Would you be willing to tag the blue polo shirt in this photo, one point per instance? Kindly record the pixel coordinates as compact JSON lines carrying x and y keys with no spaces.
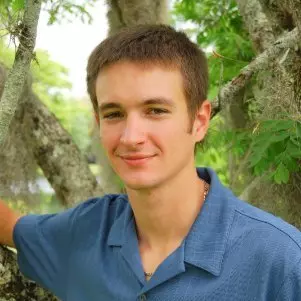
{"x":233,"y":251}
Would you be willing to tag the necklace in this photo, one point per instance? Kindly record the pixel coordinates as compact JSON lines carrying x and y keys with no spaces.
{"x":206,"y":190}
{"x":148,"y":274}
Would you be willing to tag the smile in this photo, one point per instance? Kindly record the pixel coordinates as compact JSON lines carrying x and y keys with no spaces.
{"x":136,"y":160}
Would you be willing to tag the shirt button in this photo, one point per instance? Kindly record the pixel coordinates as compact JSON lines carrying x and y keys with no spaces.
{"x":142,"y":297}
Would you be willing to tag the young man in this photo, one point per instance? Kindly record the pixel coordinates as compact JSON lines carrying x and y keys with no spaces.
{"x":177,"y":234}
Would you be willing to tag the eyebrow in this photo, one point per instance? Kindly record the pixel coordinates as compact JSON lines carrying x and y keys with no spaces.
{"x":152,"y":101}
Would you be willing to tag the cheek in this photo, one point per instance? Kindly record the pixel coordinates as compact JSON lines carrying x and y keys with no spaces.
{"x":109,"y":137}
{"x":169,"y":134}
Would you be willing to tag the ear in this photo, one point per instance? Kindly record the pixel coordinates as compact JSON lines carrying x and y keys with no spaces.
{"x":202,"y":120}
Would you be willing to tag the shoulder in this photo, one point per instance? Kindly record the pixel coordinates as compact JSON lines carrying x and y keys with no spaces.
{"x":264,"y":221}
{"x":113,"y":202}
{"x":264,"y":233}
{"x":107,"y":208}
{"x":93,"y":212}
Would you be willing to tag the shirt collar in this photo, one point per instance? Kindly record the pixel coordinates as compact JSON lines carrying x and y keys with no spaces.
{"x":122,"y":226}
{"x":206,"y":242}
{"x":205,"y":245}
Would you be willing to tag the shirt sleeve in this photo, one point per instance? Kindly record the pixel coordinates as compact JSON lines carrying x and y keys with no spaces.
{"x":291,"y":286}
{"x":43,"y":243}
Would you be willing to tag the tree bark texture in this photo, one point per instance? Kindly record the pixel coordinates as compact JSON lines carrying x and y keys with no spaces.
{"x":52,"y":147}
{"x":124,"y":13}
{"x":276,"y":90}
{"x":13,"y":286}
{"x":61,"y":160}
{"x":283,"y":14}
{"x":19,"y":72}
{"x":257,"y":24}
{"x":261,"y":62}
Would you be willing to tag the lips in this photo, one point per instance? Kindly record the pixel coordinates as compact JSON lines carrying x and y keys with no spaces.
{"x":136,"y":160}
{"x":135,"y":157}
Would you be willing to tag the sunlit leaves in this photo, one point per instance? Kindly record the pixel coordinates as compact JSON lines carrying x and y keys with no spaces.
{"x":14,"y":5}
{"x":58,"y":10}
{"x":18,"y":4}
{"x":218,"y":25}
{"x":281,"y":174}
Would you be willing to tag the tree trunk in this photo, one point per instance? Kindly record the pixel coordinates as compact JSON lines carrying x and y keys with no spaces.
{"x":61,"y":160}
{"x":13,"y":286}
{"x":279,"y":92}
{"x":44,"y":141}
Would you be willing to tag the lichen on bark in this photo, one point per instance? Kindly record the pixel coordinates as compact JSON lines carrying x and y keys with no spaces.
{"x":13,"y":285}
{"x":19,"y":72}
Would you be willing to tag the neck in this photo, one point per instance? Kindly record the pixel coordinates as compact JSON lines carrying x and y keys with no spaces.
{"x":164,"y":215}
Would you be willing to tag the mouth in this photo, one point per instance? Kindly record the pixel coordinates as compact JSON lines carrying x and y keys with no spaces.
{"x":136,"y":160}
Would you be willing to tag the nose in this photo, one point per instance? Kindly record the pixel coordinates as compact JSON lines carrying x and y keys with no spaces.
{"x":133,"y":133}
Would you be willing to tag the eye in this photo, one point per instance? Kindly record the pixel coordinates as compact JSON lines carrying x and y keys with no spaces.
{"x":156,"y":111}
{"x":112,"y":115}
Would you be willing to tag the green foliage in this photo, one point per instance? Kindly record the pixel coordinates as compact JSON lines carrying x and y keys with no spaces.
{"x":11,"y":12}
{"x":276,"y":149}
{"x":273,"y":147}
{"x":67,"y":10}
{"x":217,"y":24}
{"x":12,"y":6}
{"x":18,"y":5}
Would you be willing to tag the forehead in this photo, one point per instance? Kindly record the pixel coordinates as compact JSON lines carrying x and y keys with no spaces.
{"x":127,"y":82}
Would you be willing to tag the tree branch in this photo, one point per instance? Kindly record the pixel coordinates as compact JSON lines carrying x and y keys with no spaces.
{"x":284,"y":14}
{"x":257,"y":24}
{"x":261,"y":62}
{"x":63,"y":164}
{"x":19,"y":72}
{"x":59,"y":157}
{"x":247,"y":191}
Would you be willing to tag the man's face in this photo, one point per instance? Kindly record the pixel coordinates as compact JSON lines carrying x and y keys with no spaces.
{"x":144,"y":123}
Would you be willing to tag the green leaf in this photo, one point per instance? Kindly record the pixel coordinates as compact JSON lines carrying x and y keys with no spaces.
{"x":291,"y":164}
{"x":277,"y":125}
{"x":282,"y":174}
{"x":294,"y":150}
{"x":279,"y":136}
{"x":18,"y":5}
{"x":262,"y":138}
{"x":261,"y":167}
{"x":255,"y":158}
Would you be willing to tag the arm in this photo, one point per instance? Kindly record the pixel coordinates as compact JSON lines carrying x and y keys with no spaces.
{"x":8,"y":220}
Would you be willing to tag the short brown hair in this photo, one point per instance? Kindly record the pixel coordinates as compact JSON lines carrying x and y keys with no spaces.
{"x":160,"y":44}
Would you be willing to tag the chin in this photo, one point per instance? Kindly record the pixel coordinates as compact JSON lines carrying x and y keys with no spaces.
{"x":141,"y":184}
